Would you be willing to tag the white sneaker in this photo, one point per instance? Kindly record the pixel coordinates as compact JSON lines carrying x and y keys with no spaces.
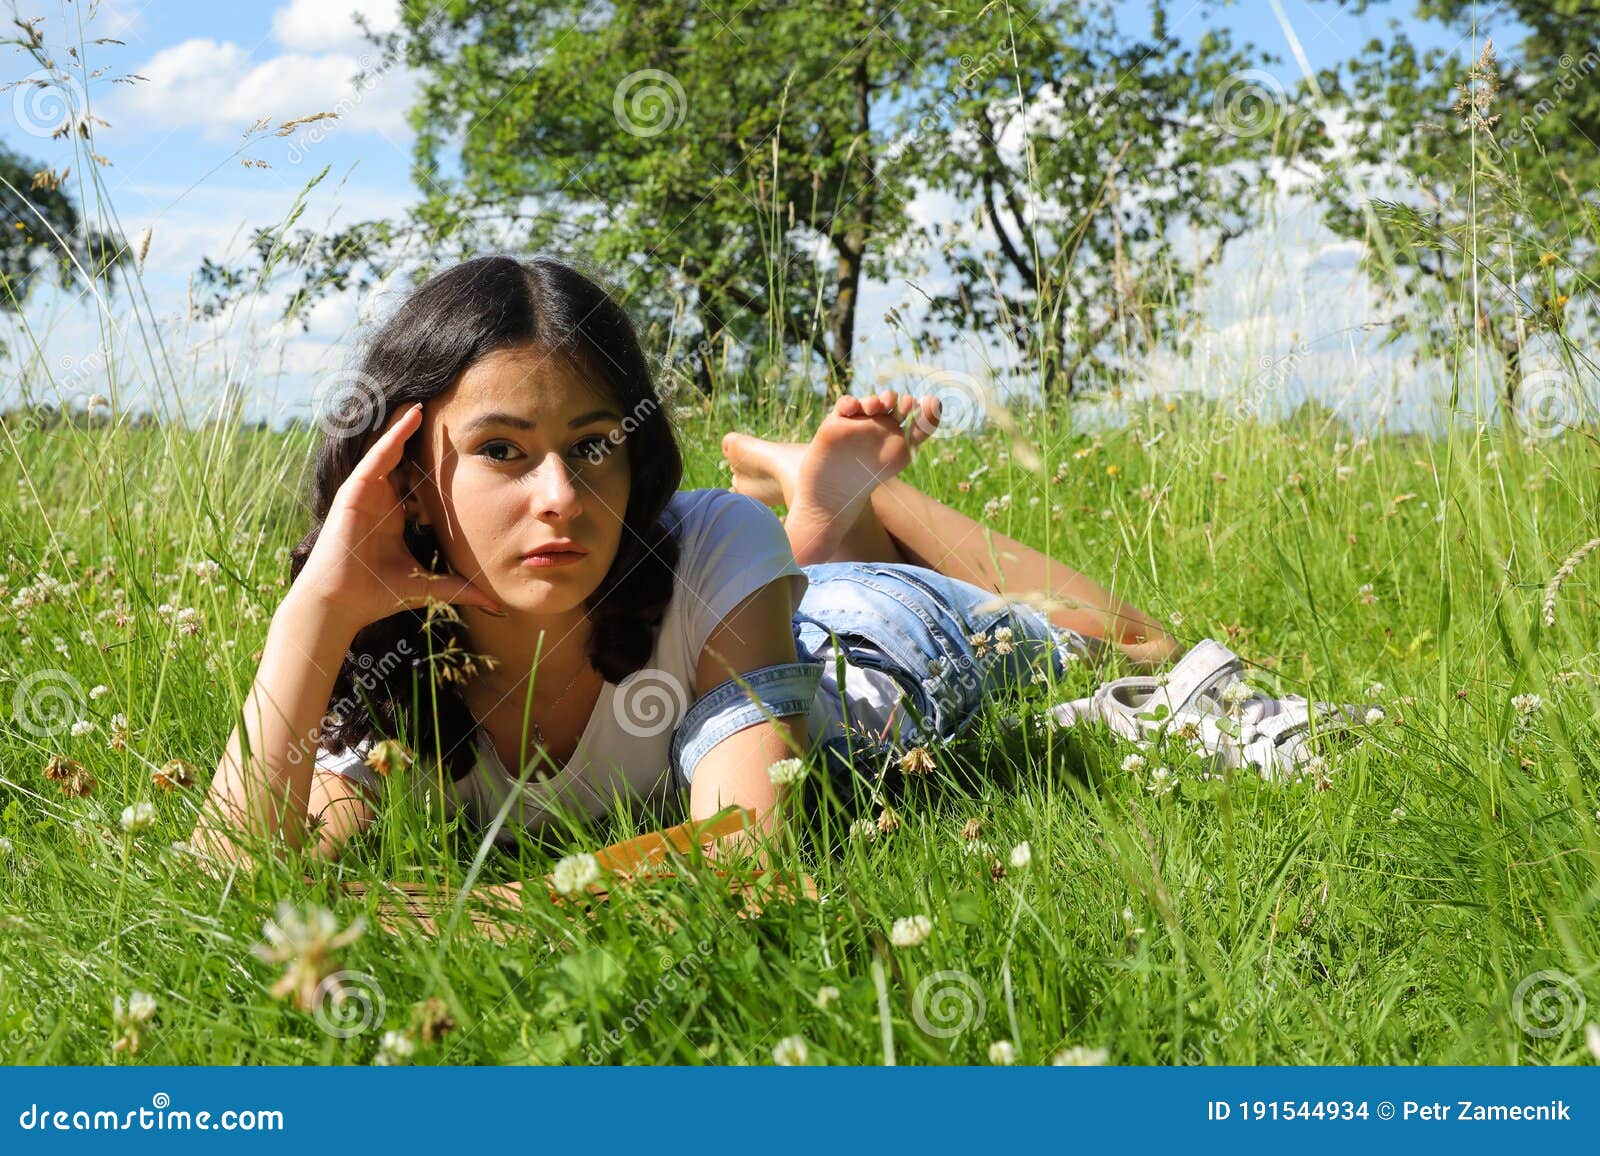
{"x":1275,"y":735}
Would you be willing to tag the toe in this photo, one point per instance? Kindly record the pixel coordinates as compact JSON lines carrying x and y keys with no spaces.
{"x":926,"y":421}
{"x":902,"y":406}
{"x":847,"y":406}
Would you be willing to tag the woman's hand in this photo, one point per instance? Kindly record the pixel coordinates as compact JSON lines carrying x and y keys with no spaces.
{"x":360,"y":566}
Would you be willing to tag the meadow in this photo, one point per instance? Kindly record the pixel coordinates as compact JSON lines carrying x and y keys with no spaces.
{"x":1431,"y":899}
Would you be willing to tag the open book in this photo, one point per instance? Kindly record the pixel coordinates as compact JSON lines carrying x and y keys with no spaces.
{"x":649,"y":858}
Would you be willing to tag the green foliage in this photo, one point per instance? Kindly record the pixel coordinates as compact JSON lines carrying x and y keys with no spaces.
{"x":1473,"y":180}
{"x":736,"y":174}
{"x":42,"y":237}
{"x":1391,"y":918}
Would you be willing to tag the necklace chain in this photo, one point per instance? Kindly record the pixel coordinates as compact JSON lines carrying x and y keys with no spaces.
{"x":538,"y":731}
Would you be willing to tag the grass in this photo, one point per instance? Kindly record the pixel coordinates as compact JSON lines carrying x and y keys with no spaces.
{"x":1436,"y":905}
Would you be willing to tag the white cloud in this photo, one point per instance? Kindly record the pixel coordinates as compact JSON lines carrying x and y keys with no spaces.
{"x":214,"y":86}
{"x":319,"y":25}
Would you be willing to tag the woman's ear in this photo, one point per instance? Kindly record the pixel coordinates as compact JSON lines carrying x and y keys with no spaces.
{"x":407,"y":479}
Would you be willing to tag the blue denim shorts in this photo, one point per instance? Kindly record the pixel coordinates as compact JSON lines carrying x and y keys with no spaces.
{"x":916,"y":625}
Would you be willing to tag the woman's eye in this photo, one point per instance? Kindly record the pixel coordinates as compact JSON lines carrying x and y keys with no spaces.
{"x":492,"y":448}
{"x":590,"y":448}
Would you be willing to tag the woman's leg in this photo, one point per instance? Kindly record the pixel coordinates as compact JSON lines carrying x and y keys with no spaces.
{"x":846,"y":504}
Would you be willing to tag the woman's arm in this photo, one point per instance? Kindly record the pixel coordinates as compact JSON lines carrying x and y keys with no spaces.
{"x":282,"y":718}
{"x":758,"y":632}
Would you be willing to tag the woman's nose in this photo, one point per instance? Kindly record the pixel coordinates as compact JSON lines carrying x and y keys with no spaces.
{"x":555,"y":490}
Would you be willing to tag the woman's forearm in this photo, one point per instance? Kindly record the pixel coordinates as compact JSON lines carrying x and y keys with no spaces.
{"x":266,"y":794}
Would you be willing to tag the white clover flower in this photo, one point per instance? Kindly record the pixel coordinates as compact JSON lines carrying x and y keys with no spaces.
{"x":1375,"y":690}
{"x":1162,"y":780}
{"x":1002,"y":1053}
{"x":82,"y":727}
{"x":1079,"y":1056}
{"x":190,"y":620}
{"x":305,"y":940}
{"x":129,"y":1018}
{"x":1591,"y":1035}
{"x":1236,"y":694}
{"x":394,"y":1048}
{"x":790,"y":1052}
{"x":787,"y":772}
{"x":1527,"y":705}
{"x":1397,"y":814}
{"x":138,"y":817}
{"x":99,"y":692}
{"x":6,"y":846}
{"x":575,"y":873}
{"x":1002,"y":640}
{"x":1021,"y":855}
{"x":1374,"y":716}
{"x":912,"y":931}
{"x":864,"y":829}
{"x":826,"y":994}
{"x":1133,"y":764}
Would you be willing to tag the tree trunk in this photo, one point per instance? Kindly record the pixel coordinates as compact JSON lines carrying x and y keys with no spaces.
{"x":851,"y":243}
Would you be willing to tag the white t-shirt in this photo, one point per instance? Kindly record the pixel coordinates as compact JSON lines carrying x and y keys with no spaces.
{"x":729,"y":546}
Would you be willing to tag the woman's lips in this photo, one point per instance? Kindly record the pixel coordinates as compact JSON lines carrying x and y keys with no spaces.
{"x":554,"y":558}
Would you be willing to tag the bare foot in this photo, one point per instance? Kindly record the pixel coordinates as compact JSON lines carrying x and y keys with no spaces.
{"x":764,"y":470}
{"x":862,"y":443}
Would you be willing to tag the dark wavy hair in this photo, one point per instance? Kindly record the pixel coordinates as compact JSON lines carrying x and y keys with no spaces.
{"x":447,"y":324}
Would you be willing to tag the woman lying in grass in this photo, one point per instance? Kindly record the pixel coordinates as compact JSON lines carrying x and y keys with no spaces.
{"x":611,"y":635}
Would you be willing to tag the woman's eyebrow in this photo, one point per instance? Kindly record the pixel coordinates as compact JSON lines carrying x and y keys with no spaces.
{"x":516,"y":422}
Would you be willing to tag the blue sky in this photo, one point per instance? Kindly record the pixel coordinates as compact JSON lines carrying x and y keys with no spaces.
{"x":175,"y":143}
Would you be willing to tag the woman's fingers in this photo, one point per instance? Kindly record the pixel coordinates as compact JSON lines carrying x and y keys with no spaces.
{"x":384,"y":454}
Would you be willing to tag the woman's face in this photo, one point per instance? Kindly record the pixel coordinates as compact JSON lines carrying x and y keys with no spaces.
{"x":521,"y":452}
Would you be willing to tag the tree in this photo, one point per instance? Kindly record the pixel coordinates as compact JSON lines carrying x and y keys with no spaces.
{"x":34,"y":213}
{"x":41,"y":232}
{"x":1135,"y":162}
{"x":1493,"y":227}
{"x":739,"y":170}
